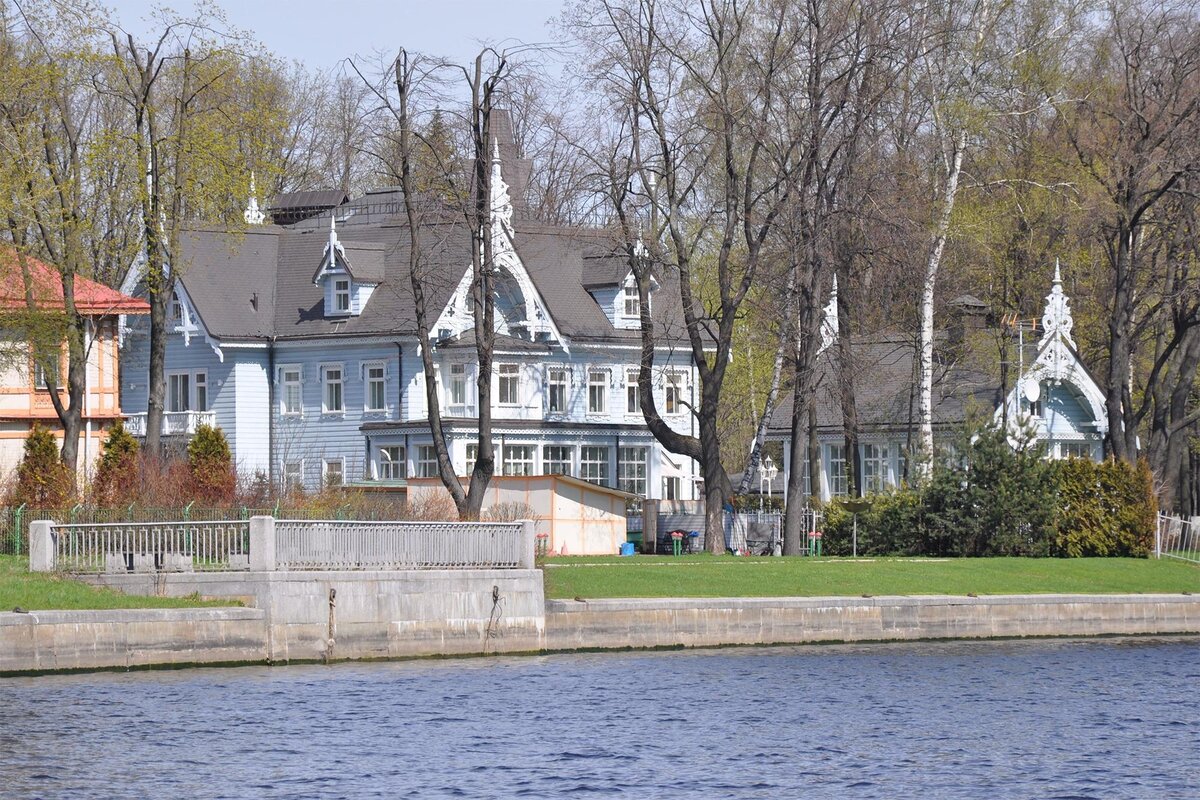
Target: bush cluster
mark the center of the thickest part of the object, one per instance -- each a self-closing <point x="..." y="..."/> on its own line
<point x="993" y="499"/>
<point x="42" y="479"/>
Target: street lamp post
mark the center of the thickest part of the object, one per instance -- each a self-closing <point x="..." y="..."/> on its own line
<point x="767" y="474"/>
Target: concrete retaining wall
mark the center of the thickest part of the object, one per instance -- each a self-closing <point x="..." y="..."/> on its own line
<point x="425" y="613"/>
<point x="64" y="640"/>
<point x="637" y="623"/>
<point x="385" y="614"/>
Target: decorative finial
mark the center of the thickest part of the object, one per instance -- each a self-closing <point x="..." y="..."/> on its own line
<point x="252" y="215"/>
<point x="495" y="151"/>
<point x="829" y="322"/>
<point x="1057" y="320"/>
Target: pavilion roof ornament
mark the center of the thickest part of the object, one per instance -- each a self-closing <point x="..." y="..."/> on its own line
<point x="502" y="209"/>
<point x="252" y="214"/>
<point x="1057" y="321"/>
<point x="829" y="318"/>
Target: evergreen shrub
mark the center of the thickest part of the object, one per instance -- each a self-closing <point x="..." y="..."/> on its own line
<point x="43" y="481"/>
<point x="210" y="465"/>
<point x="117" y="473"/>
<point x="1105" y="509"/>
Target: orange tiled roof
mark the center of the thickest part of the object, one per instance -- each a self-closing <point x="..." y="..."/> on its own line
<point x="91" y="298"/>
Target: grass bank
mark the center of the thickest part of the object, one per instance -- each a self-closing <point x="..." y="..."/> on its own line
<point x="38" y="591"/>
<point x="729" y="576"/>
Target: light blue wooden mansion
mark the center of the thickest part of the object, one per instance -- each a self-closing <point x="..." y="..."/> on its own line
<point x="298" y="339"/>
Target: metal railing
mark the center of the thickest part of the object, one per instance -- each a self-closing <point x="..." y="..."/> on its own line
<point x="174" y="423"/>
<point x="1179" y="538"/>
<point x="338" y="545"/>
<point x="152" y="546"/>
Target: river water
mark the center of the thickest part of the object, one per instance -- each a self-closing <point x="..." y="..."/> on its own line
<point x="991" y="720"/>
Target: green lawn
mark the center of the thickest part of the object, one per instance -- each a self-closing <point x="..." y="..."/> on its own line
<point x="45" y="591"/>
<point x="729" y="576"/>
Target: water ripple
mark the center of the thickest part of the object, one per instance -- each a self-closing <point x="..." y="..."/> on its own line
<point x="943" y="721"/>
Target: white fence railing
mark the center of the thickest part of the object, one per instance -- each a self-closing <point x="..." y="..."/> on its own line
<point x="150" y="546"/>
<point x="264" y="544"/>
<point x="1176" y="537"/>
<point x="174" y="423"/>
<point x="336" y="545"/>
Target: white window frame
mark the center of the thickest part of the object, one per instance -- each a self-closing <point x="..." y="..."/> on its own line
<point x="672" y="487"/>
<point x="594" y="470"/>
<point x="633" y="392"/>
<point x="457" y="381"/>
<point x="508" y="373"/>
<point x="876" y="467"/>
<point x="638" y="483"/>
<point x="200" y="385"/>
<point x="192" y="401"/>
<point x="326" y="463"/>
<point x="370" y="382"/>
<point x="519" y="459"/>
<point x="597" y="379"/>
<point x="836" y="477"/>
<point x="392" y="469"/>
<point x="1062" y="448"/>
<point x="342" y="289"/>
<point x="426" y="464"/>
<point x="632" y="301"/>
<point x="326" y="385"/>
<point x="470" y="456"/>
<point x="674" y="391"/>
<point x="566" y="466"/>
<point x="293" y="482"/>
<point x="285" y="384"/>
<point x="562" y="383"/>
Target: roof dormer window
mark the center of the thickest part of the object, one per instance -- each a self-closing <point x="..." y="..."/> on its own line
<point x="341" y="295"/>
<point x="633" y="301"/>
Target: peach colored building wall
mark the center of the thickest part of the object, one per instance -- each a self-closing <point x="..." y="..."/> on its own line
<point x="578" y="518"/>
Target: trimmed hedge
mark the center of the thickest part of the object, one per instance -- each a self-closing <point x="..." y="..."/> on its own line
<point x="992" y="499"/>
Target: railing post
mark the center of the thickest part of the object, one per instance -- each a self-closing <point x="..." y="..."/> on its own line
<point x="1158" y="536"/>
<point x="262" y="544"/>
<point x="528" y="543"/>
<point x="41" y="546"/>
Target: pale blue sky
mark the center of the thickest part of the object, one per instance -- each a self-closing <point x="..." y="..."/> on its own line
<point x="323" y="33"/>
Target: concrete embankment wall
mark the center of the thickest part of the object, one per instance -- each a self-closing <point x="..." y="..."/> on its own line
<point x="638" y="623"/>
<point x="67" y="640"/>
<point x="429" y="613"/>
<point x="374" y="614"/>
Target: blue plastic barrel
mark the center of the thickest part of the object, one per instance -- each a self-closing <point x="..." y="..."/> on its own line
<point x="627" y="548"/>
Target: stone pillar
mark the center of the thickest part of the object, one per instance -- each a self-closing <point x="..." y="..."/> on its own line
<point x="649" y="525"/>
<point x="262" y="544"/>
<point x="41" y="546"/>
<point x="528" y="543"/>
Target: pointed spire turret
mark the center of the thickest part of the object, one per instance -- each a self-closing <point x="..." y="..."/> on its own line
<point x="829" y="321"/>
<point x="1057" y="320"/>
<point x="252" y="214"/>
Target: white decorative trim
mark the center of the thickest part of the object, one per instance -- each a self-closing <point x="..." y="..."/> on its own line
<point x="1056" y="362"/>
<point x="252" y="214"/>
<point x="829" y="319"/>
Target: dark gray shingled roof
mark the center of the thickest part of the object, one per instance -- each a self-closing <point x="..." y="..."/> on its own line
<point x="275" y="267"/>
<point x="226" y="268"/>
<point x="885" y="391"/>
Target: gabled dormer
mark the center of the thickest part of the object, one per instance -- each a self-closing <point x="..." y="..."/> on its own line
<point x="627" y="305"/>
<point x="348" y="274"/>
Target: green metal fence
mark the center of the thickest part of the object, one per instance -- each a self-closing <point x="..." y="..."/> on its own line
<point x="14" y="520"/>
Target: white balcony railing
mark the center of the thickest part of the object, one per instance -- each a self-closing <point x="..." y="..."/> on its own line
<point x="175" y="423"/>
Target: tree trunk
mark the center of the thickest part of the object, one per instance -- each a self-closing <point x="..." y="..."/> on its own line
<point x="785" y="336"/>
<point x="846" y="383"/>
<point x="932" y="264"/>
<point x="793" y="521"/>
